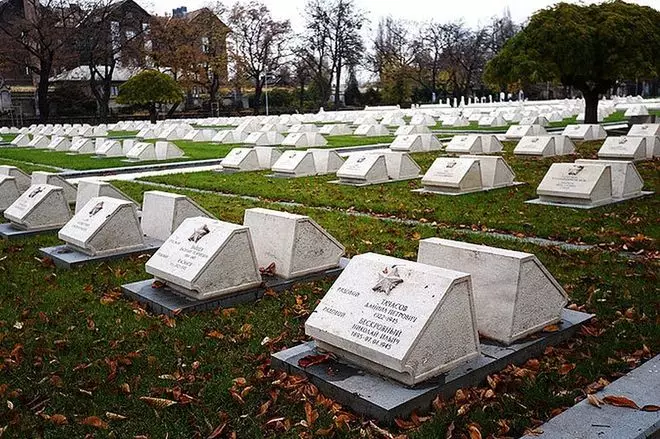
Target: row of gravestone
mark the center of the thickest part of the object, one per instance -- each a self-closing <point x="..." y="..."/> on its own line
<point x="102" y="147"/>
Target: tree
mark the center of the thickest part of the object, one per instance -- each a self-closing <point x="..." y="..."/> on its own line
<point x="590" y="48"/>
<point x="36" y="38"/>
<point x="150" y="88"/>
<point x="258" y="43"/>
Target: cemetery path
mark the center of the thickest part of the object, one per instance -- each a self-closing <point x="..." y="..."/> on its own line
<point x="542" y="242"/>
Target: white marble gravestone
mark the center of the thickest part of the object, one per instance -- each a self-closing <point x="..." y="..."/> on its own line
<point x="644" y="130"/>
<point x="22" y="140"/>
<point x="520" y="131"/>
<point x="241" y="159"/>
<point x="326" y="161"/>
<point x="407" y="130"/>
<point x="623" y="148"/>
<point x="563" y="145"/>
<point x="372" y="130"/>
<point x="541" y="146"/>
<point x="578" y="184"/>
<point x="267" y="156"/>
<point x="59" y="144"/>
<point x="142" y="151"/>
<point x="163" y="212"/>
<point x="626" y="181"/>
<point x="206" y="258"/>
<point x="39" y="177"/>
<point x="8" y="191"/>
<point x="295" y="164"/>
<point x="296" y="244"/>
<point x="363" y="168"/>
<point x="304" y="140"/>
<point x="400" y="166"/>
<point x="453" y="176"/>
<point x="264" y="138"/>
<point x="39" y="141"/>
<point x="23" y="181"/>
<point x="230" y="136"/>
<point x="416" y="143"/>
<point x="82" y="145"/>
<point x="468" y="144"/>
<point x="110" y="148"/>
<point x="104" y="225"/>
<point x="585" y="132"/>
<point x="336" y="129"/>
<point x="41" y="207"/>
<point x="167" y="150"/>
<point x="88" y="189"/>
<point x="401" y="319"/>
<point x="514" y="294"/>
<point x="495" y="171"/>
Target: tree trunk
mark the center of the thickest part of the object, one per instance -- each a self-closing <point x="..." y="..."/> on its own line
<point x="302" y="94"/>
<point x="153" y="115"/>
<point x="172" y="109"/>
<point x="590" y="106"/>
<point x="42" y="91"/>
<point x="257" y="94"/>
<point x="337" y="85"/>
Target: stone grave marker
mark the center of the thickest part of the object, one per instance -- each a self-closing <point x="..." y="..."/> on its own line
<point x="371" y="130"/>
<point x="453" y="176"/>
<point x="264" y="138"/>
<point x="23" y="181"/>
<point x="586" y="185"/>
<point x="206" y="258"/>
<point x="9" y="192"/>
<point x="363" y="168"/>
<point x="88" y="189"/>
<point x="127" y="145"/>
<point x="39" y="177"/>
<point x="626" y="181"/>
<point x="623" y="148"/>
<point x="336" y="129"/>
<point x="230" y="136"/>
<point x="514" y="294"/>
<point x="241" y="159"/>
<point x="167" y="150"/>
<point x="563" y="145"/>
<point x="59" y="144"/>
<point x="407" y="130"/>
<point x="163" y="212"/>
<point x="292" y="164"/>
<point x="326" y="161"/>
<point x="304" y="140"/>
<point x="22" y="140"/>
<point x="495" y="171"/>
<point x="82" y="145"/>
<point x="102" y="226"/>
<point x="142" y="151"/>
<point x="296" y="244"/>
<point x="267" y="156"/>
<point x="404" y="320"/>
<point x="519" y="131"/>
<point x="541" y="146"/>
<point x="585" y="132"/>
<point x="41" y="207"/>
<point x="644" y="130"/>
<point x="39" y="141"/>
<point x="416" y="143"/>
<point x="400" y="166"/>
<point x="110" y="148"/>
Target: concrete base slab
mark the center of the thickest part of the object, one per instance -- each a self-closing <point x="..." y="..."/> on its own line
<point x="65" y="257"/>
<point x="167" y="301"/>
<point x="426" y="191"/>
<point x="587" y="207"/>
<point x="372" y="184"/>
<point x="7" y="231"/>
<point x="585" y="421"/>
<point x="385" y="400"/>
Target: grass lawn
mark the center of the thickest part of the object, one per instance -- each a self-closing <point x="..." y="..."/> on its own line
<point x="8" y="137"/>
<point x="502" y="209"/>
<point x="77" y="355"/>
<point x="342" y="141"/>
<point x="121" y="134"/>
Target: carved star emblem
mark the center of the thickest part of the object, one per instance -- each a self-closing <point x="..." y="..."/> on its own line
<point x="388" y="280"/>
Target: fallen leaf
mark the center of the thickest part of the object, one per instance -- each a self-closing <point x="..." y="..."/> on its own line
<point x="620" y="401"/>
<point x="312" y="360"/>
<point x="450" y="431"/>
<point x="58" y="419"/>
<point x="218" y="431"/>
<point x="566" y="368"/>
<point x="474" y="431"/>
<point x="551" y="328"/>
<point x="115" y="416"/>
<point x="650" y="408"/>
<point x="403" y="424"/>
<point x="594" y="401"/>
<point x="158" y="403"/>
<point x="95" y="421"/>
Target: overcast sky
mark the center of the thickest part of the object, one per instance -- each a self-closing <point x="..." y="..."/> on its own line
<point x="473" y="12"/>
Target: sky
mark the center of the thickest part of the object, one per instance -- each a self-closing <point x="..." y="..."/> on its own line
<point x="472" y="12"/>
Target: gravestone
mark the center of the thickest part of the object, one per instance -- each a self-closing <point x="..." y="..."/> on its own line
<point x="163" y="212"/>
<point x="127" y="145"/>
<point x="39" y="141"/>
<point x="583" y="185"/>
<point x="41" y="207"/>
<point x="644" y="130"/>
<point x="39" y="177"/>
<point x="519" y="131"/>
<point x="88" y="189"/>
<point x="22" y="140"/>
<point x="371" y="130"/>
<point x="230" y="136"/>
<point x="336" y="129"/>
<point x="9" y="192"/>
<point x="267" y="156"/>
<point x="623" y="148"/>
<point x="82" y="145"/>
<point x="304" y="140"/>
<point x="110" y="148"/>
<point x="23" y="181"/>
<point x="264" y="138"/>
<point x="453" y="175"/>
<point x="422" y="119"/>
<point x="295" y="164"/>
<point x="363" y="168"/>
<point x="514" y="294"/>
<point x="401" y="319"/>
<point x="296" y="244"/>
<point x="541" y="146"/>
<point x="563" y="145"/>
<point x="326" y="161"/>
<point x="495" y="172"/>
<point x="455" y="121"/>
<point x="416" y="143"/>
<point x="400" y="166"/>
<point x="102" y="226"/>
<point x="304" y="128"/>
<point x="241" y="159"/>
<point x="406" y="130"/>
<point x="59" y="144"/>
<point x="142" y="151"/>
<point x="206" y="258"/>
<point x="585" y="132"/>
<point x="474" y="144"/>
<point x="626" y="181"/>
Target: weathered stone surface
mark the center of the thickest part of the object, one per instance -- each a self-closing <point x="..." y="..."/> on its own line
<point x="23" y="180"/>
<point x="41" y="207"/>
<point x="39" y="177"/>
<point x="405" y="320"/>
<point x="206" y="258"/>
<point x="626" y="181"/>
<point x="514" y="294"/>
<point x="9" y="192"/>
<point x="582" y="184"/>
<point x="104" y="225"/>
<point x="296" y="244"/>
<point x="88" y="189"/>
<point x="163" y="212"/>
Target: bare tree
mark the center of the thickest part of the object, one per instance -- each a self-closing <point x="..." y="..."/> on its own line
<point x="257" y="43"/>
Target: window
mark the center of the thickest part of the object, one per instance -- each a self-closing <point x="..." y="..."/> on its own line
<point x="130" y="35"/>
<point x="206" y="48"/>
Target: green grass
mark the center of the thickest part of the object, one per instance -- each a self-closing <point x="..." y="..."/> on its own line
<point x="71" y="347"/>
<point x="8" y="137"/>
<point x="502" y="210"/>
<point x="26" y="167"/>
<point x="343" y="141"/>
<point x="121" y="134"/>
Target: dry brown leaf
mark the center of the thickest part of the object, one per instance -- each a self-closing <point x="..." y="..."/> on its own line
<point x="95" y="421"/>
<point x="311" y="415"/>
<point x="264" y="408"/>
<point x="620" y="401"/>
<point x="115" y="416"/>
<point x="380" y="431"/>
<point x="403" y="424"/>
<point x="594" y="401"/>
<point x="450" y="431"/>
<point x="474" y="431"/>
<point x="566" y="368"/>
<point x="218" y="431"/>
<point x="157" y="403"/>
<point x="650" y="408"/>
<point x="551" y="328"/>
<point x="58" y="419"/>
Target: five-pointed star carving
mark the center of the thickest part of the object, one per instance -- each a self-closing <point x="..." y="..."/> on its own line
<point x="387" y="280"/>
